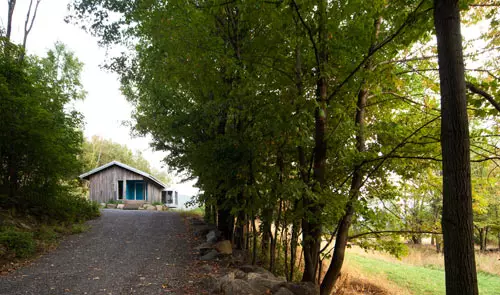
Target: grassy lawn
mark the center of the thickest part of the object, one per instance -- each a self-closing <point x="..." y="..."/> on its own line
<point x="417" y="279"/>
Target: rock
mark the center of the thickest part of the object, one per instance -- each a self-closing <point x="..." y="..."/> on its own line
<point x="205" y="248"/>
<point x="283" y="291"/>
<point x="159" y="207"/>
<point x="150" y="207"/>
<point x="205" y="245"/>
<point x="230" y="285"/>
<point x="211" y="255"/>
<point x="256" y="269"/>
<point x="213" y="236"/>
<point x="203" y="230"/>
<point x="103" y="205"/>
<point x="297" y="288"/>
<point x="111" y="206"/>
<point x="224" y="247"/>
<point x="262" y="282"/>
<point x="120" y="206"/>
<point x="237" y="287"/>
<point x="210" y="282"/>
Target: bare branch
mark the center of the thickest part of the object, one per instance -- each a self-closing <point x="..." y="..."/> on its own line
<point x="394" y="232"/>
<point x="29" y="20"/>
<point x="12" y="5"/>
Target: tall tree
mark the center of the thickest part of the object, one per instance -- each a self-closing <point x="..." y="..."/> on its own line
<point x="457" y="220"/>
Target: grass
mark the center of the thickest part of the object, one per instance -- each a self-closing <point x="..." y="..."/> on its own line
<point x="196" y="212"/>
<point x="415" y="279"/>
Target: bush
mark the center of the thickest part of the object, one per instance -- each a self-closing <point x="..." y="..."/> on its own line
<point x="115" y="202"/>
<point x="58" y="204"/>
<point x="21" y="244"/>
<point x="157" y="203"/>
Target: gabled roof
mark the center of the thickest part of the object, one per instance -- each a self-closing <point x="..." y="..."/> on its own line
<point x="151" y="177"/>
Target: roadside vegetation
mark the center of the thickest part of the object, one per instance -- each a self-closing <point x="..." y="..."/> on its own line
<point x="313" y="121"/>
<point x="40" y="147"/>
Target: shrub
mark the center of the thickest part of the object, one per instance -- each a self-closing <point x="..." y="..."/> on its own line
<point x="115" y="202"/>
<point x="157" y="203"/>
<point x="21" y="244"/>
<point x="59" y="204"/>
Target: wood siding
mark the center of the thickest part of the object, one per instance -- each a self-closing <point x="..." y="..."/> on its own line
<point x="104" y="185"/>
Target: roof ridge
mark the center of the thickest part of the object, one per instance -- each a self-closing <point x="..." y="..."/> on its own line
<point x="125" y="166"/>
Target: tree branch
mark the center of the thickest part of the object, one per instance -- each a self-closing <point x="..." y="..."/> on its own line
<point x="393" y="232"/>
<point x="309" y="32"/>
<point x="410" y="18"/>
<point x="477" y="90"/>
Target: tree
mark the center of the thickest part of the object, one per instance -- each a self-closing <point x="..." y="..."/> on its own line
<point x="457" y="221"/>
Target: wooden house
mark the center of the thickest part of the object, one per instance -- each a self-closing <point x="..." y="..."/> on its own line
<point x="117" y="181"/>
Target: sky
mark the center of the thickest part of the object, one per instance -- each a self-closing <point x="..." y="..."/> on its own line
<point x="105" y="108"/>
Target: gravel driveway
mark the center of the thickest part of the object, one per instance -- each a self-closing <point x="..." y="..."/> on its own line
<point x="125" y="252"/>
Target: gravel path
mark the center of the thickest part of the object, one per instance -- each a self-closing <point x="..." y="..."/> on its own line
<point x="125" y="252"/>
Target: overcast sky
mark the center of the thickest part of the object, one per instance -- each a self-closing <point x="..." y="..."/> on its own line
<point x="105" y="108"/>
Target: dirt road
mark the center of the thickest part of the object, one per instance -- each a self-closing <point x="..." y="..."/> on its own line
<point x="124" y="252"/>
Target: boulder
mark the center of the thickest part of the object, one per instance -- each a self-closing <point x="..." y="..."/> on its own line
<point x="203" y="230"/>
<point x="256" y="269"/>
<point x="159" y="207"/>
<point x="300" y="288"/>
<point x="237" y="287"/>
<point x="211" y="255"/>
<point x="283" y="291"/>
<point x="224" y="247"/>
<point x="205" y="245"/>
<point x="205" y="248"/>
<point x="231" y="285"/>
<point x="120" y="206"/>
<point x="213" y="236"/>
<point x="111" y="206"/>
<point x="103" y="205"/>
<point x="262" y="282"/>
<point x="150" y="207"/>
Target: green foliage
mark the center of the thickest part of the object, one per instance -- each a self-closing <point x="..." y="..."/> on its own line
<point x="231" y="90"/>
<point x="21" y="244"/>
<point x="112" y="201"/>
<point x="59" y="205"/>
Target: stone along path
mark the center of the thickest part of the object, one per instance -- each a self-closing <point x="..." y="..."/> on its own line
<point x="124" y="252"/>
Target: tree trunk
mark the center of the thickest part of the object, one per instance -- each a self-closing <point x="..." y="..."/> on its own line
<point x="225" y="221"/>
<point x="498" y="240"/>
<point x="481" y="239"/>
<point x="267" y="214"/>
<point x="239" y="231"/>
<point x="357" y="181"/>
<point x="293" y="247"/>
<point x="337" y="261"/>
<point x="486" y="231"/>
<point x="457" y="222"/>
<point x="10" y="14"/>
<point x="274" y="239"/>
<point x="312" y="224"/>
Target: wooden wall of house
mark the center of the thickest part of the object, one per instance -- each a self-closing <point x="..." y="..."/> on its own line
<point x="154" y="192"/>
<point x="104" y="184"/>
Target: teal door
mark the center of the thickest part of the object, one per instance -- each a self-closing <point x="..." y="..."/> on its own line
<point x="139" y="191"/>
<point x="130" y="190"/>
